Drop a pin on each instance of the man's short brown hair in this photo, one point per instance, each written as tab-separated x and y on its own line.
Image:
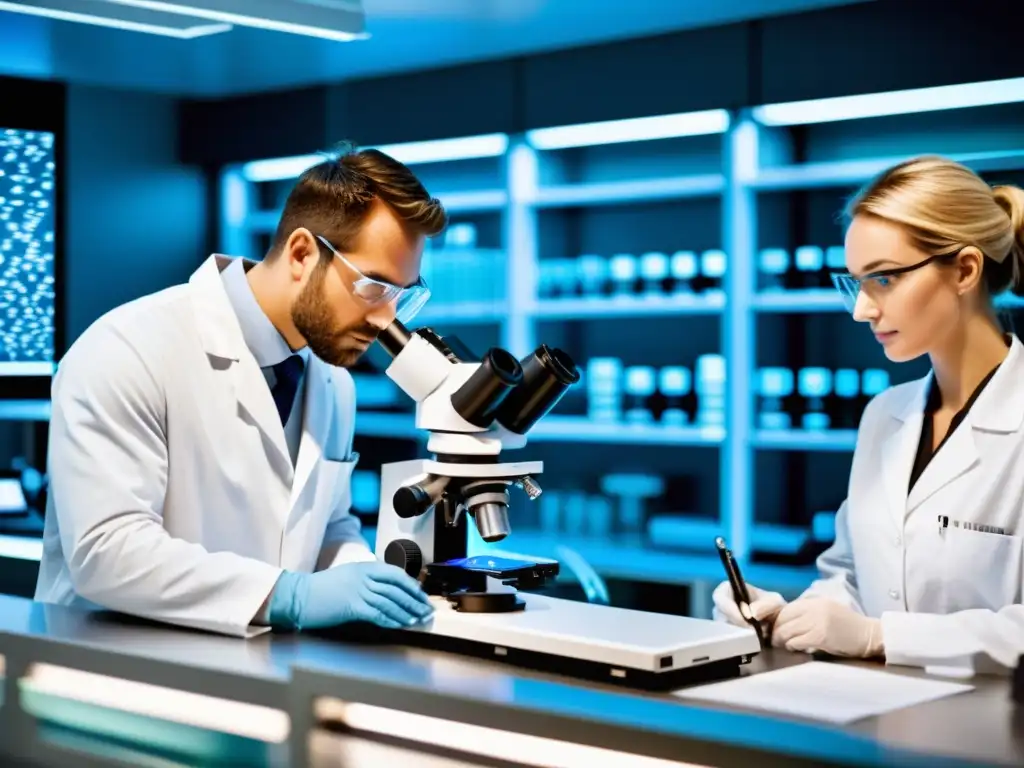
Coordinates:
333	199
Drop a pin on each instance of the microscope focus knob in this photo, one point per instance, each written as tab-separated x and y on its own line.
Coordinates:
406	555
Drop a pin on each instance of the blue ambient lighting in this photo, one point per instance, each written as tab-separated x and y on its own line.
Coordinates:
704	123
27	200
85	13
411	153
247	20
867	105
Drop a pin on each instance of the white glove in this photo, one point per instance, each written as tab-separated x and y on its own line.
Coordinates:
819	624
765	606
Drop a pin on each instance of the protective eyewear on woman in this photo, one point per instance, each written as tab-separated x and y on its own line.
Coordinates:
408	300
877	285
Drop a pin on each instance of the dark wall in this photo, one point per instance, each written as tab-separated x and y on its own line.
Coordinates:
863	48
137	219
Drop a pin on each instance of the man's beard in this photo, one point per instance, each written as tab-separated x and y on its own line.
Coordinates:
314	319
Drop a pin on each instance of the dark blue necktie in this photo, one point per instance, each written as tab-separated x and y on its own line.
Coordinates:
287	374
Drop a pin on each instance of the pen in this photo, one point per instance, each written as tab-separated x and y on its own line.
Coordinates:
739	588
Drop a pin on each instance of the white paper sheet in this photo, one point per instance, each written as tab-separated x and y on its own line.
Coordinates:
817	690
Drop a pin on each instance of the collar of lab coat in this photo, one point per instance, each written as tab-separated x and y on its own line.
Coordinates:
219	329
999	407
221	336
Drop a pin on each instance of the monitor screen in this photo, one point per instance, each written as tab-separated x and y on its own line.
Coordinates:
27	239
32	211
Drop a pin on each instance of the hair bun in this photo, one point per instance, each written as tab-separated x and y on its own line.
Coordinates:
1011	199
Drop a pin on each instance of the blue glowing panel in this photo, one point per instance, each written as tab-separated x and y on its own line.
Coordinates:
27	221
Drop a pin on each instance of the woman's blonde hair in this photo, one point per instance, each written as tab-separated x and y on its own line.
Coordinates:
944	206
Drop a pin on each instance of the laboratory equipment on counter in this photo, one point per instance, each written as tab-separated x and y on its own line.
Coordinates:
604	389
773	385
475	409
712	267
623	269
641	384
809	260
592	275
814	385
674	382
835	258
654	273
773	263
710	390
684	271
632	489
873	381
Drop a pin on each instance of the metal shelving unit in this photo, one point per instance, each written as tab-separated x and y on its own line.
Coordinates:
756	158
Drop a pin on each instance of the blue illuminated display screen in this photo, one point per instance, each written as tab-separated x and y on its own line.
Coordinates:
27	234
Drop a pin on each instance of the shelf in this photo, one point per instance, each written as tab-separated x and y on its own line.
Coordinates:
633	191
667	531
583	430
628	306
396	425
466	313
843	173
569	429
829	300
634	559
805	440
804	300
24	410
21	547
474	201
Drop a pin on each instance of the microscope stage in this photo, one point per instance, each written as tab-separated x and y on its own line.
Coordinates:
650	650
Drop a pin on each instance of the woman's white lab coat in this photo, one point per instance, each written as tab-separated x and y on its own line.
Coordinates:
949	596
172	492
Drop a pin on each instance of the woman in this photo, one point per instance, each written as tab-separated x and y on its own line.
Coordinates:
927	568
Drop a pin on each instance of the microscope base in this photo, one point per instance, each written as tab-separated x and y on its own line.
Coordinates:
637	649
580	669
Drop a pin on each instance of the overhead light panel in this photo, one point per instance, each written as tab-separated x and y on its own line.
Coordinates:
100	13
410	153
702	123
867	105
329	19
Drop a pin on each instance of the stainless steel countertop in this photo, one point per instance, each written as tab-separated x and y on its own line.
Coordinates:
982	727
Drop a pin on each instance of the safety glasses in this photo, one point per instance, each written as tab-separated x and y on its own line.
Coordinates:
408	300
877	284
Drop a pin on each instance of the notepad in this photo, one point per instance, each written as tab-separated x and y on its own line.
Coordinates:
833	692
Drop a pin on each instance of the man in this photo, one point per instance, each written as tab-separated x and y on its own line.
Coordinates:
200	438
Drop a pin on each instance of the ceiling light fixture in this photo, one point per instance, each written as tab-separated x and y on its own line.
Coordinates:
867	105
100	14
341	20
703	123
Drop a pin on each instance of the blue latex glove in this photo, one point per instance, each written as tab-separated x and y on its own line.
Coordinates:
372	591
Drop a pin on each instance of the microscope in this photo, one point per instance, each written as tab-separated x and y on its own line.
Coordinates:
475	409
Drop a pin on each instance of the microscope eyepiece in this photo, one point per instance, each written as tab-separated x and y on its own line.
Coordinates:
394	338
482	393
547	375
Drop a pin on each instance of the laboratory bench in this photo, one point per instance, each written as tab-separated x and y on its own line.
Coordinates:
98	688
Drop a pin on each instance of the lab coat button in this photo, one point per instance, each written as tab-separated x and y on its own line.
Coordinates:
897	541
894	594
